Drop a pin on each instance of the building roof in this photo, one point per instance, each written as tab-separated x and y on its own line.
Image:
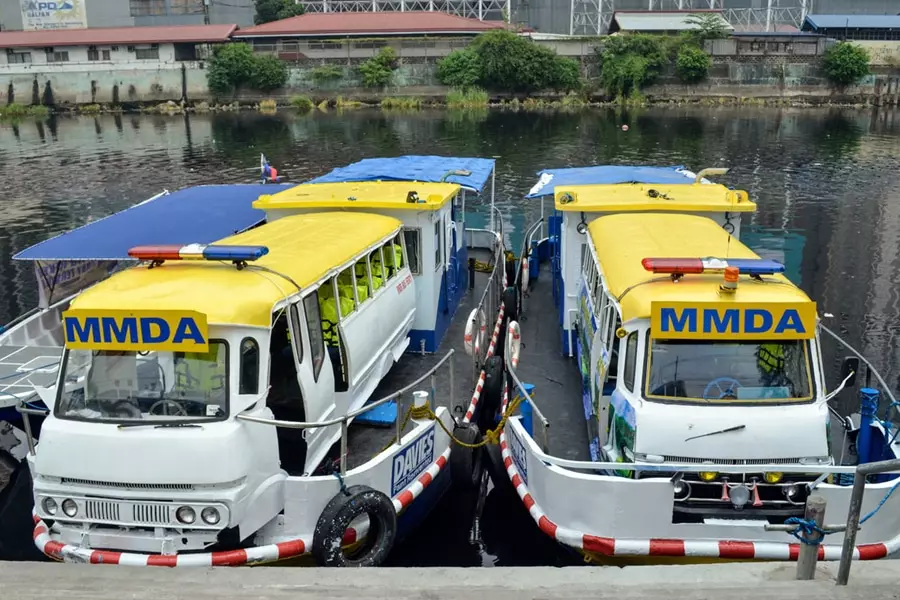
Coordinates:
622	241
642	197
370	23
303	247
96	36
645	20
813	22
378	195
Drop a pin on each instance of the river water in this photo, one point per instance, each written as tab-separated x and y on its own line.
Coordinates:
827	185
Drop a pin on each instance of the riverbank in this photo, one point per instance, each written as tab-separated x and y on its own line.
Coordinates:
739	581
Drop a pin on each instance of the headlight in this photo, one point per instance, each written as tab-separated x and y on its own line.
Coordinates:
186	515
69	507
773	477
49	506
707	475
210	515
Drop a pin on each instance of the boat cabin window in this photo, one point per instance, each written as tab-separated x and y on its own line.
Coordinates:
315	330
376	269
413	238
166	386
361	280
347	291
700	371
249	383
631	345
393	256
438	246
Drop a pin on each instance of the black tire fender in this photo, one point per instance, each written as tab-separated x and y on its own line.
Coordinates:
466	464
336	518
511	304
491	393
497	470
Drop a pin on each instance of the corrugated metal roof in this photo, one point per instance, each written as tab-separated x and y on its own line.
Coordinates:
95	36
660	20
381	23
851	22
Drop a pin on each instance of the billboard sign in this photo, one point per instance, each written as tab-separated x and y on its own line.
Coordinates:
53	14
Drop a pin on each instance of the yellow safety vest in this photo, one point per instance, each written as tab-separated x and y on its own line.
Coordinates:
771	358
329	316
201	371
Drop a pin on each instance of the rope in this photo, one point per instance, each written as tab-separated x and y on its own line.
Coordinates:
880	504
812	533
341	482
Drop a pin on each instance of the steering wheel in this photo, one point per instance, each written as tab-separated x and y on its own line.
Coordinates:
126	410
724	392
166	402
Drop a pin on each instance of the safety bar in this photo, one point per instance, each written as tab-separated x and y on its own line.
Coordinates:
25	411
490	296
856	497
884	386
545	424
345	419
20	318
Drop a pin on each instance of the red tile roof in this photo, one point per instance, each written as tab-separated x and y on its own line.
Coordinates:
96	36
373	23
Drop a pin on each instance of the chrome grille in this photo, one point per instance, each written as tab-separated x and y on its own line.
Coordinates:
151	514
101	510
686	460
181	487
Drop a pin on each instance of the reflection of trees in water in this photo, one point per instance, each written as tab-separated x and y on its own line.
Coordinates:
838	135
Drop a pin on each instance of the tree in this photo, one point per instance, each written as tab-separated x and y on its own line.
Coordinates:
692	64
460	69
378	70
269	73
709	26
629	62
275	10
230	68
845	63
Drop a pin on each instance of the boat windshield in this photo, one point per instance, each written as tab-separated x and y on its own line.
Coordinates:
116	386
737	372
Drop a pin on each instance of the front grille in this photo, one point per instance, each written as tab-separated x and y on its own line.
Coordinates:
686	460
179	487
101	510
151	514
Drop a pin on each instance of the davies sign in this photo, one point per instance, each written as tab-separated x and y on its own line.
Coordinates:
53	14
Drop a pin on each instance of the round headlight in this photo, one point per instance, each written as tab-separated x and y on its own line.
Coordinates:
210	515
49	505
707	475
682	490
69	507
773	477
186	515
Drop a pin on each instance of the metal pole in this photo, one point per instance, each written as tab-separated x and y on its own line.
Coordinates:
493	181
809	551
572	17
26	420
399	402
768	14
343	447
856	496
434	389
452	402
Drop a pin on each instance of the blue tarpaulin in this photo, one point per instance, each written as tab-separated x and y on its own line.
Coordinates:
415	168
200	214
550	179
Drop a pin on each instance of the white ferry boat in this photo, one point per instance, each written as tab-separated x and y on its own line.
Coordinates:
698	376
213	407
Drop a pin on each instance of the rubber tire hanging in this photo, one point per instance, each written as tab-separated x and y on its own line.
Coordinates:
340	511
466	464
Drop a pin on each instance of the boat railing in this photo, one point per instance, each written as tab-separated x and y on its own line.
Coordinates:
527	245
489	303
520	389
344	421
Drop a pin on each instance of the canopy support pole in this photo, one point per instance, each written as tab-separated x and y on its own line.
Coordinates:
493	180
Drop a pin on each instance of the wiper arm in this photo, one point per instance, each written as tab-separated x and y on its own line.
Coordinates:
158	425
728	430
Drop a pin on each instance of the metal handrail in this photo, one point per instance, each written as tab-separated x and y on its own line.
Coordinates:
545	424
856	497
884	385
345	419
488	295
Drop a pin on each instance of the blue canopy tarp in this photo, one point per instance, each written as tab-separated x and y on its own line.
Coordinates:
200	214
550	179
415	168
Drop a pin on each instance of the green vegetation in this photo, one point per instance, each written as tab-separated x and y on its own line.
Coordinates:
89	109
710	26
268	105
630	62
275	10
235	66
379	70
692	64
845	63
16	111
302	103
340	103
472	97
411	103
326	73
504	61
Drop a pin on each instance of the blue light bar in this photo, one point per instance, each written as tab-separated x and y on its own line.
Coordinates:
240	253
751	266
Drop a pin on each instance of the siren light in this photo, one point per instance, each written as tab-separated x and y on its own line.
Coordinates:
683	266
162	253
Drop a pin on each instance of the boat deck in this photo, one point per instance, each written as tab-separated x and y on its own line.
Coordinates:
23	367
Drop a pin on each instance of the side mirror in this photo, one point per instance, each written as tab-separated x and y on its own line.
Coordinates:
850	365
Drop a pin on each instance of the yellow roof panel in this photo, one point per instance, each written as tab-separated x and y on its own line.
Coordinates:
369	194
303	247
633	197
622	241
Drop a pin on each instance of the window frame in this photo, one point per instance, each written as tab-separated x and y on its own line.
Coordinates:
630	362
417	234
317	361
297	344
241	354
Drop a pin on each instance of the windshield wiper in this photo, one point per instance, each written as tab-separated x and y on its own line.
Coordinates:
728	430
158	425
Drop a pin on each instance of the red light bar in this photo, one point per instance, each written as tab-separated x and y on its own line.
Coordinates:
673	265
170	252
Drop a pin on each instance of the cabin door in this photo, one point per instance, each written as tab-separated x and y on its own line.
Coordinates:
604	364
314	373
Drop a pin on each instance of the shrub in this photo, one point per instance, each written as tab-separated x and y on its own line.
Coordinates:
402	103
268	105
378	70
846	63
89	108
302	103
629	62
269	73
472	97
460	68
230	68
514	63
709	26
692	64
326	73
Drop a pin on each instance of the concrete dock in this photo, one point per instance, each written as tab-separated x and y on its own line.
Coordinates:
756	581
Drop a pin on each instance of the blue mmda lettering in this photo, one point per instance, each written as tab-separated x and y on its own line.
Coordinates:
670	321
757	320
147	333
187	330
112	331
728	322
90	332
790	320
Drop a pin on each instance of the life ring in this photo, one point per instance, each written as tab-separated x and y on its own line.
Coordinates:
513	342
526	273
474	336
347	505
